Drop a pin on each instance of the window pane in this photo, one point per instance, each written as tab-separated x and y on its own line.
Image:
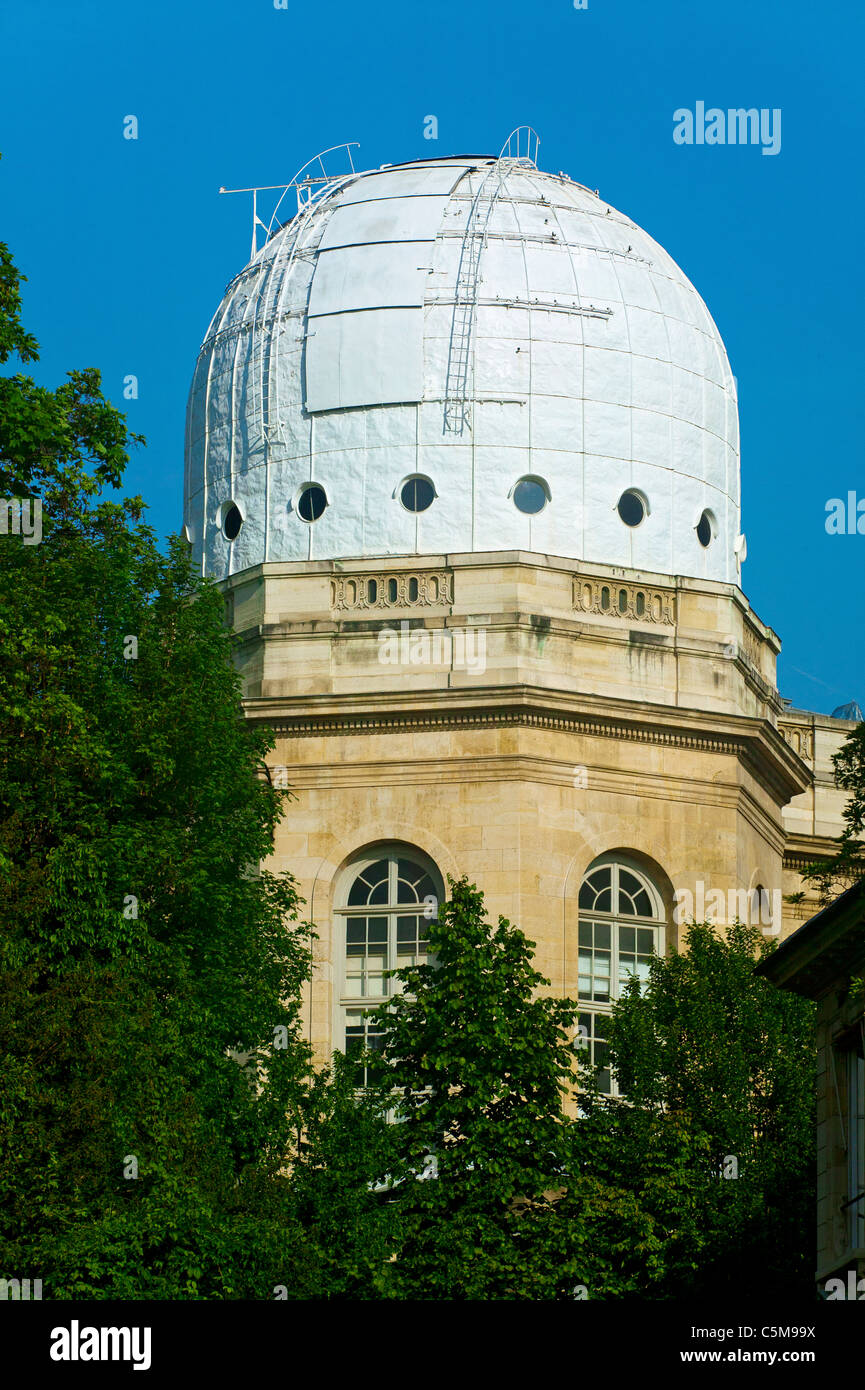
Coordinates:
408	874
602	965
365	883
356	936
627	939
357	896
643	904
417	494
593	886
529	496
628	882
594	1049
602	936
412	938
362	1034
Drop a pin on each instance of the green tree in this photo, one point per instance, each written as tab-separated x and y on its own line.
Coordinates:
155	1071
710	1045
337	1196
495	1190
476	1067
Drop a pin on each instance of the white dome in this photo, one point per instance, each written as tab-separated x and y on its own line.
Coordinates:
476	322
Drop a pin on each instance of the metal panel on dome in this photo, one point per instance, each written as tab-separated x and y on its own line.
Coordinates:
403	183
372	357
379	276
385	219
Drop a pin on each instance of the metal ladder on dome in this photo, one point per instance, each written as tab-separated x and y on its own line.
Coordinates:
456	409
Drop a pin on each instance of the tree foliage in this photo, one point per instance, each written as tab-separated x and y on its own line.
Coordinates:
839	871
497	1190
143	956
711	1045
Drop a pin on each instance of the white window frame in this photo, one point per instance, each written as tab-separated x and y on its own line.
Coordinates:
657	923
392	851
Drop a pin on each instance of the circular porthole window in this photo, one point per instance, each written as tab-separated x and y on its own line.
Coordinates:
530	495
633	507
417	493
232	520
310	502
706	529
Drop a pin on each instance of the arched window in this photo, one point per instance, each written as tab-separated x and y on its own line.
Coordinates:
390	895
621	926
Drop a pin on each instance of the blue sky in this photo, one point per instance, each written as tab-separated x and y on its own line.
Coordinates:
128	247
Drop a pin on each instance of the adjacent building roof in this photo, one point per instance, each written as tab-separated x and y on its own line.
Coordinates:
828	946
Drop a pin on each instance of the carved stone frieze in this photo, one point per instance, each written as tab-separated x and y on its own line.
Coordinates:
624	599
391	589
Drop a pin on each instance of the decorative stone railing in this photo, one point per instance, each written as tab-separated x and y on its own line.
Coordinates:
752	645
391	589
623	599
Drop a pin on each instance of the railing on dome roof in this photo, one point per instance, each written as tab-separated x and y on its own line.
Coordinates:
457	409
265	295
311	185
512	148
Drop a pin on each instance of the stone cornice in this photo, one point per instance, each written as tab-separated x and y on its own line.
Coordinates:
756	742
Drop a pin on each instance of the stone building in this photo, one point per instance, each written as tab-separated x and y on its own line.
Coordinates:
825	961
462	450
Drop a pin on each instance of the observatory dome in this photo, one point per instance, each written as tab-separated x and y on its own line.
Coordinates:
463	354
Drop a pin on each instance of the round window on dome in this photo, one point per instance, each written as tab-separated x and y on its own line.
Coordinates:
417	493
310	502
632	507
232	520
530	495
706	529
